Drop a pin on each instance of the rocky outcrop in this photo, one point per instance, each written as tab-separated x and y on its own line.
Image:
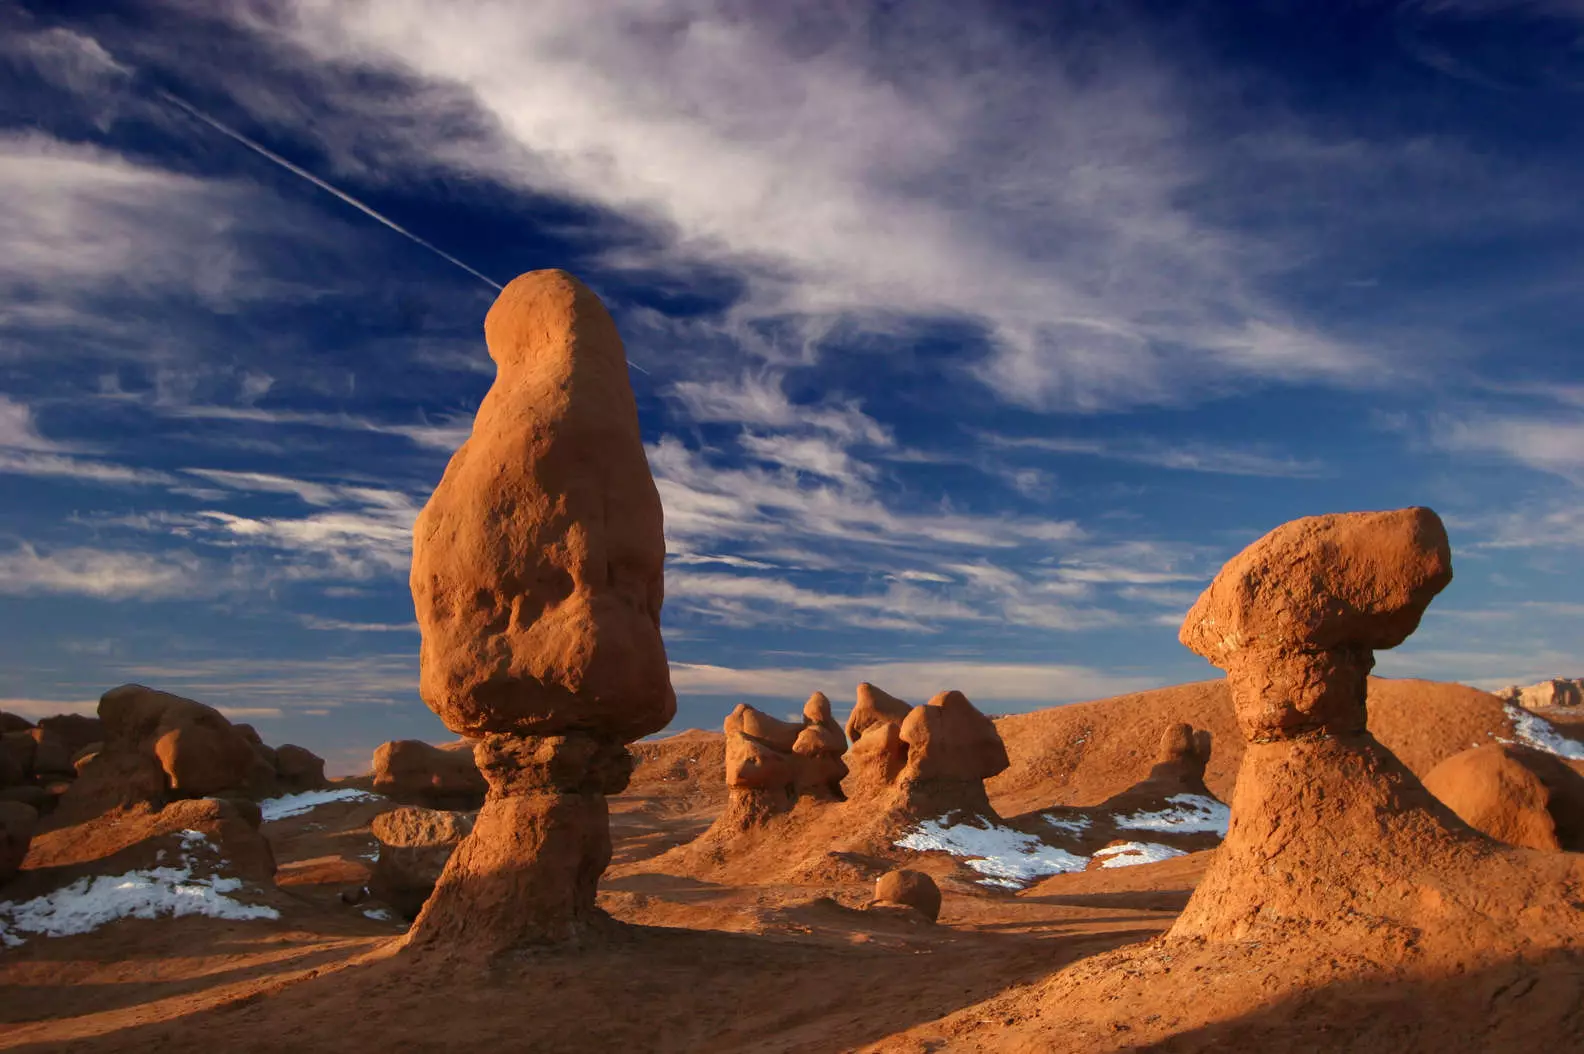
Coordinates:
877	755
1546	695
1515	795
416	773
925	760
771	764
159	747
537	579
299	769
911	889
75	731
415	844
17	823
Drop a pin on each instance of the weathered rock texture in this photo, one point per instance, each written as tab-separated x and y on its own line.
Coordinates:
771	764
1296	617
537	579
529	871
922	760
1514	795
415	773
17	822
1328	827
1558	691
415	844
159	747
537	563
913	889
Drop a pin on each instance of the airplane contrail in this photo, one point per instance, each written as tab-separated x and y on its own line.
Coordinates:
295	170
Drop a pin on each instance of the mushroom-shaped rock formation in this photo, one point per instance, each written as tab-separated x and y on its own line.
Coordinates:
1514	794
1327	825
913	889
537	580
1340	873
952	749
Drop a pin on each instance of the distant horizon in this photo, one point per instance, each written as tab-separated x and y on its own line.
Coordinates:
968	341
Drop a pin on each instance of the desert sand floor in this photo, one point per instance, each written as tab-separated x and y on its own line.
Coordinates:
687	966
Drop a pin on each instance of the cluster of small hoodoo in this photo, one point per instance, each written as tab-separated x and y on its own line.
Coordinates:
927	760
771	764
537	578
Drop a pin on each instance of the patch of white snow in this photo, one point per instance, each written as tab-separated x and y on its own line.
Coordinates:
1535	731
1191	814
88	903
996	852
297	804
1130	854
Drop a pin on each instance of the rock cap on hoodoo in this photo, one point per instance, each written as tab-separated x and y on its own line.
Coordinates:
874	707
1358	579
949	738
538	561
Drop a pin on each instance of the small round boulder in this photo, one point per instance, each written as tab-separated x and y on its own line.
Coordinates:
913	889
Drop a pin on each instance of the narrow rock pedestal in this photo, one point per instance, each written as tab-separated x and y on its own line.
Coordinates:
529	871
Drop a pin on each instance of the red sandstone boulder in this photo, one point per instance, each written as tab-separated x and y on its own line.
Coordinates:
874	707
537	563
299	769
913	889
948	738
74	730
416	773
1514	794
158	747
17	822
1294	618
415	844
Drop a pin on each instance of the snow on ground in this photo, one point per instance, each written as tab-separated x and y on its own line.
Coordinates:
1129	854
1190	814
1070	824
1007	858
89	903
297	804
1535	731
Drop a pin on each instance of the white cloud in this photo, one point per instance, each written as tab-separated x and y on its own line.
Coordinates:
25	451
850	171
65	57
77	219
1548	443
105	574
1182	455
344	626
33	709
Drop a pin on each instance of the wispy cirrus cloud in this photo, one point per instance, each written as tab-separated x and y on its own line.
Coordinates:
1180	455
881	179
104	574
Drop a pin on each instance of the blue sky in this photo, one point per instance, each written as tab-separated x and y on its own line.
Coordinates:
972	340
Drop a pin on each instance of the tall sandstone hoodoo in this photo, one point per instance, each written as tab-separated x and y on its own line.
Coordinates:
1328	827
537	580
